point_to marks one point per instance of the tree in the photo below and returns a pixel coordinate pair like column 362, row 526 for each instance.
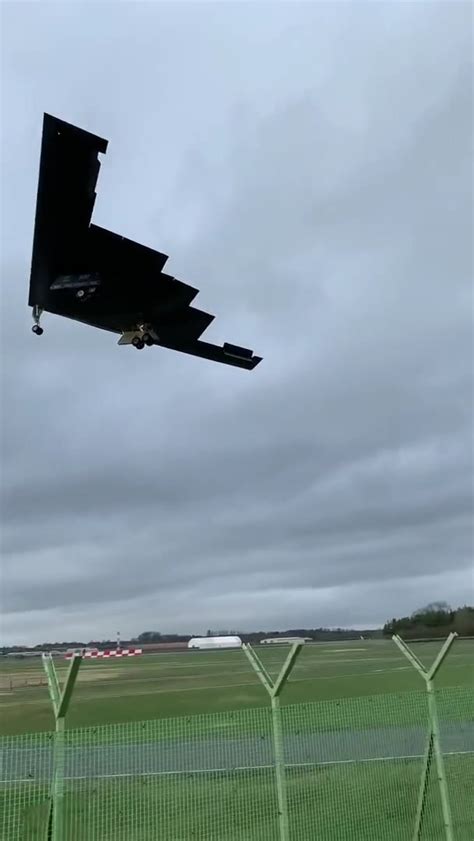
column 435, row 620
column 433, row 607
column 464, row 621
column 149, row 636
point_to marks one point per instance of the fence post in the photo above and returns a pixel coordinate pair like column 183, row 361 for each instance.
column 274, row 689
column 60, row 700
column 433, row 745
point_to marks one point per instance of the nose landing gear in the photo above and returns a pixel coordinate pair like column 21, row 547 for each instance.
column 37, row 329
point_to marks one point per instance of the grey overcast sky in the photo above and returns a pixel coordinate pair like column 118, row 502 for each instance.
column 308, row 168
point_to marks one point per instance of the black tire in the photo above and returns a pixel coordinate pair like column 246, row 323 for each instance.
column 147, row 339
column 37, row 330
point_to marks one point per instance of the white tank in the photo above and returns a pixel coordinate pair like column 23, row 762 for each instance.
column 215, row 642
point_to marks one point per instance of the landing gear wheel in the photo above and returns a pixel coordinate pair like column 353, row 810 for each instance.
column 138, row 343
column 147, row 339
column 37, row 329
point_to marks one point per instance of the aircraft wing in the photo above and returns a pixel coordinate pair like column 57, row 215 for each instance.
column 228, row 354
column 182, row 329
column 69, row 168
column 184, row 339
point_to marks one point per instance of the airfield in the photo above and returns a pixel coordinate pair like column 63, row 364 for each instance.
column 195, row 682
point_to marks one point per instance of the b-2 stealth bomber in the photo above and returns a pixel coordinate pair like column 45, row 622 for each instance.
column 84, row 272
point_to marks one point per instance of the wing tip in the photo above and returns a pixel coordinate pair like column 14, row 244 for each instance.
column 52, row 123
column 242, row 356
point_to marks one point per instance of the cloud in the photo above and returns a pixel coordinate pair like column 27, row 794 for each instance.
column 310, row 174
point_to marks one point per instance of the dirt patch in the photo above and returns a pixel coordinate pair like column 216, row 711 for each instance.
column 30, row 683
column 98, row 674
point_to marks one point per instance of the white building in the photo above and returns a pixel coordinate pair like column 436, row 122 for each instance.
column 215, row 642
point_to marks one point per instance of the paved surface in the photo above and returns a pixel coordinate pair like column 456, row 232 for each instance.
column 219, row 753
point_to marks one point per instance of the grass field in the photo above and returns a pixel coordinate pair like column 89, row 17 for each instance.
column 173, row 684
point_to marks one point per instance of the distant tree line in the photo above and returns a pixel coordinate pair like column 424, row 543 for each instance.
column 148, row 637
column 437, row 619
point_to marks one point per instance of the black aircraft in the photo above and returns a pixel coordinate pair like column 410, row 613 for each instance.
column 89, row 274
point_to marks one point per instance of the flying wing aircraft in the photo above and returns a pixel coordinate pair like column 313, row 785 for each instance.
column 84, row 272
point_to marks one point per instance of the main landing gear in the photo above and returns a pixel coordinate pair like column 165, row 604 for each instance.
column 139, row 342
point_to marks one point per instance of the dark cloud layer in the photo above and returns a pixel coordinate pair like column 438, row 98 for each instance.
column 308, row 167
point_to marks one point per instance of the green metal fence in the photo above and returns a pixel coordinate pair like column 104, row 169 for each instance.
column 397, row 767
column 352, row 770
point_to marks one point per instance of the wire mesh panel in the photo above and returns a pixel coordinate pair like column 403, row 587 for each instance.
column 25, row 786
column 456, row 718
column 354, row 766
column 208, row 778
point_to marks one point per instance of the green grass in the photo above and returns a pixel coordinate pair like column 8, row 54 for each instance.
column 157, row 686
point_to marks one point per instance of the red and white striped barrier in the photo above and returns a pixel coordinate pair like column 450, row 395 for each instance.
column 109, row 652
